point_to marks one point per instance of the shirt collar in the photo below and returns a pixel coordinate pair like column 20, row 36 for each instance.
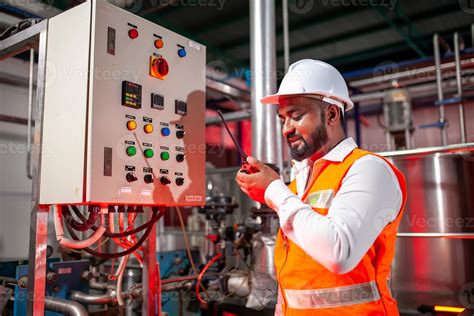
column 338, row 153
column 341, row 151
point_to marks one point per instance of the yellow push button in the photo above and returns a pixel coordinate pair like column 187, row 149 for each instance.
column 148, row 128
column 131, row 125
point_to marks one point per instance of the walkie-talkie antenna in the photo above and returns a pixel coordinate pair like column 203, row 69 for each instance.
column 242, row 153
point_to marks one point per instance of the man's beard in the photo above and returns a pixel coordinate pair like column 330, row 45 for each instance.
column 318, row 138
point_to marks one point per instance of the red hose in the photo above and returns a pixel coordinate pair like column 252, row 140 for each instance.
column 123, row 242
column 201, row 274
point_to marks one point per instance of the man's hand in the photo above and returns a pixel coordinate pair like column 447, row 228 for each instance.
column 255, row 184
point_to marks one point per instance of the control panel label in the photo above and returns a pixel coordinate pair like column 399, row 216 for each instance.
column 164, row 124
column 164, row 171
column 129, row 142
column 164, row 148
column 107, row 161
column 147, row 145
column 179, row 148
column 111, row 40
column 178, row 173
column 147, row 169
column 147, row 119
column 132, row 117
column 129, row 168
column 179, row 126
column 193, row 198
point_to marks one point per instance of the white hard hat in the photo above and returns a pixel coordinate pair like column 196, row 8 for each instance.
column 313, row 78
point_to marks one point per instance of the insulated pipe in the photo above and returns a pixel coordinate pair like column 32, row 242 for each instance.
column 110, row 297
column 437, row 58
column 63, row 306
column 457, row 60
column 265, row 132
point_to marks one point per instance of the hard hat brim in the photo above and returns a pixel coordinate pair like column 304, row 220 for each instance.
column 276, row 98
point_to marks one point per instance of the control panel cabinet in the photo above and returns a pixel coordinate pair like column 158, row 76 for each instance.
column 124, row 116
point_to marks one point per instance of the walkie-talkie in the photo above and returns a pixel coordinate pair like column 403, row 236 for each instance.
column 246, row 168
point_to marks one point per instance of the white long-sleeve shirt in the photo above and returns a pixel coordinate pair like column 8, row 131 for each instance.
column 368, row 199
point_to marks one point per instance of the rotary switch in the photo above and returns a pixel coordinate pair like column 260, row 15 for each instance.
column 180, row 157
column 164, row 180
column 148, row 178
column 179, row 181
column 131, row 177
column 159, row 67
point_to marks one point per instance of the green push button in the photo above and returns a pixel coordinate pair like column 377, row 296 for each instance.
column 131, row 150
column 165, row 155
column 148, row 153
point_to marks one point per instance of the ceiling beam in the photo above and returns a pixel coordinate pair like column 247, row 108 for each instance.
column 406, row 37
column 387, row 49
column 298, row 26
column 365, row 31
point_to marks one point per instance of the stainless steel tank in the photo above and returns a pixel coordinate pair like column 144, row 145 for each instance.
column 434, row 257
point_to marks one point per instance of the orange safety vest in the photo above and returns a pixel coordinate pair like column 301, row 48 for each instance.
column 308, row 288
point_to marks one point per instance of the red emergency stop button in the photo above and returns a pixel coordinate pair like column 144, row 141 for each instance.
column 133, row 33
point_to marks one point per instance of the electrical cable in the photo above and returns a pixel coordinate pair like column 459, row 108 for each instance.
column 121, row 271
column 85, row 225
column 76, row 243
column 119, row 235
column 186, row 243
column 125, row 244
column 198, row 284
column 156, row 216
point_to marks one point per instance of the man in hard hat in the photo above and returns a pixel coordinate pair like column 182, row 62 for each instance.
column 339, row 216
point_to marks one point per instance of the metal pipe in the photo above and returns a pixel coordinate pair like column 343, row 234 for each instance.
column 286, row 36
column 30, row 112
column 457, row 59
column 39, row 213
column 437, row 58
column 109, row 298
column 263, row 69
column 429, row 150
column 357, row 123
column 63, row 306
column 409, row 73
column 13, row 119
column 96, row 285
column 229, row 117
column 438, row 235
column 173, row 287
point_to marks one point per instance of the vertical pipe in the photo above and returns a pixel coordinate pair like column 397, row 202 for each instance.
column 439, row 87
column 357, row 123
column 263, row 71
column 149, row 276
column 286, row 36
column 39, row 214
column 286, row 52
column 457, row 60
column 30, row 111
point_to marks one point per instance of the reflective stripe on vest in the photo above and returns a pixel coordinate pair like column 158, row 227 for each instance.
column 333, row 297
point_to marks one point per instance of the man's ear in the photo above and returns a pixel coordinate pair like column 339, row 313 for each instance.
column 333, row 114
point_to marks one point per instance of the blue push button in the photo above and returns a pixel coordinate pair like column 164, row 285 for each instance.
column 182, row 52
column 165, row 131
